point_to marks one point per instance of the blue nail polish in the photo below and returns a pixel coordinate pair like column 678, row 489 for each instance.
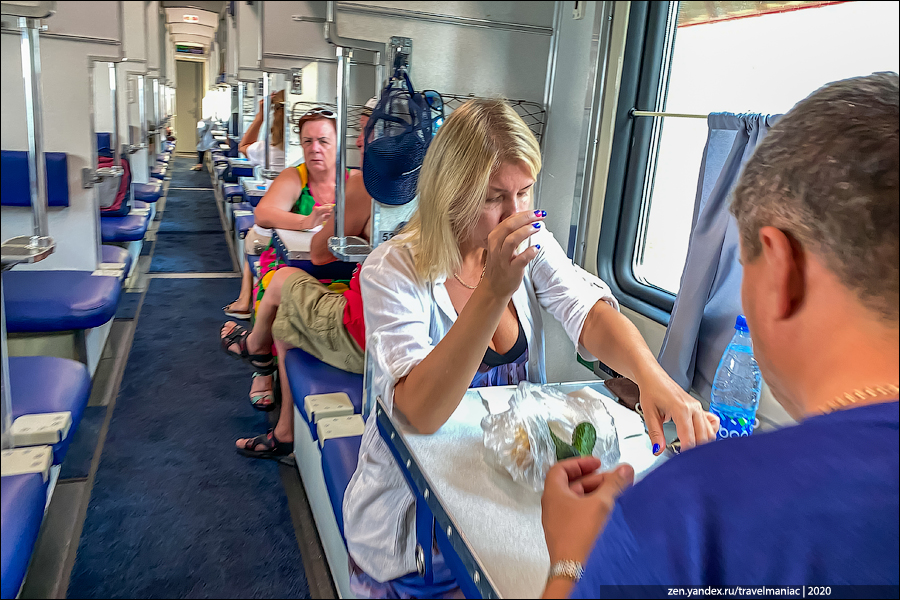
column 655, row 448
column 537, row 213
column 536, row 225
column 543, row 213
column 538, row 246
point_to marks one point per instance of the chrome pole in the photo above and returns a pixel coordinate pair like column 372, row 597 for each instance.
column 7, row 439
column 343, row 96
column 240, row 127
column 37, row 167
column 266, row 118
column 114, row 100
column 142, row 109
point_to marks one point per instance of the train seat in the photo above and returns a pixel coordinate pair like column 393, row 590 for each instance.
column 243, row 221
column 339, row 458
column 16, row 183
column 148, row 192
column 158, row 172
column 130, row 228
column 117, row 256
column 23, row 500
column 233, row 192
column 47, row 384
column 52, row 301
column 162, row 158
column 308, row 375
column 241, row 167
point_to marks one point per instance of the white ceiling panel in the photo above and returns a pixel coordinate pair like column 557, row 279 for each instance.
column 191, row 29
column 192, row 16
column 186, row 38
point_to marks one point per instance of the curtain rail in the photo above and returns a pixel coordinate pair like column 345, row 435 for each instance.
column 647, row 113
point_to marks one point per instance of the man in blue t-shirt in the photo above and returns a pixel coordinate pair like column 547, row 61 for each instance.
column 815, row 504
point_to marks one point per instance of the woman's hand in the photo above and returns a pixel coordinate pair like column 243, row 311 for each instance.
column 320, row 214
column 503, row 269
column 663, row 399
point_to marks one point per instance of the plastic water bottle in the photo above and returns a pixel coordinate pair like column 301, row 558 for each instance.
column 737, row 385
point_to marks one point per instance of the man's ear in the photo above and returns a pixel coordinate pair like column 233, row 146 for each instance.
column 786, row 271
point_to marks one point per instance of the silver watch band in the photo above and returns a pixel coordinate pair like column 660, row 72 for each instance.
column 570, row 569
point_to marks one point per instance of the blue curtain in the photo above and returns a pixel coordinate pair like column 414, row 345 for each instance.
column 709, row 299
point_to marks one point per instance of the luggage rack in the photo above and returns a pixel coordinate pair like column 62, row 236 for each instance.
column 532, row 113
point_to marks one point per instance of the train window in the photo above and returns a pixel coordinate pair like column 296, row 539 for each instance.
column 693, row 58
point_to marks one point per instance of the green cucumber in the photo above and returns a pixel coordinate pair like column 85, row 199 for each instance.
column 584, row 438
column 563, row 450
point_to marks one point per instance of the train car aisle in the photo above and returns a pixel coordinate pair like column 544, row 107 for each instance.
column 174, row 511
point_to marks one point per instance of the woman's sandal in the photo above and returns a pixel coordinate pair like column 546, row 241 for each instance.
column 263, row 363
column 273, row 448
column 243, row 315
column 263, row 400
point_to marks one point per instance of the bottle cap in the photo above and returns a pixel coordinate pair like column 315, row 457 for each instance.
column 741, row 324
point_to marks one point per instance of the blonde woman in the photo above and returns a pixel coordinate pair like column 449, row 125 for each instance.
column 453, row 303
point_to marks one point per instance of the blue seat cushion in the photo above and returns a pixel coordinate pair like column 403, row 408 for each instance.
column 148, row 192
column 243, row 206
column 243, row 223
column 163, row 158
column 130, row 228
column 45, row 301
column 339, row 458
column 308, row 375
column 242, row 170
column 253, row 261
column 23, row 499
column 115, row 254
column 47, row 384
column 103, row 141
column 158, row 172
column 233, row 190
column 16, row 183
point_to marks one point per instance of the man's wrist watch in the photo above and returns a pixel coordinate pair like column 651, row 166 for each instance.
column 568, row 569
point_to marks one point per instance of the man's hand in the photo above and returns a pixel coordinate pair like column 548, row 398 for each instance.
column 576, row 503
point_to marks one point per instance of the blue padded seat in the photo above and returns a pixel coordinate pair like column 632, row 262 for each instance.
column 220, row 170
column 130, row 228
column 339, row 458
column 103, row 141
column 234, row 191
column 242, row 170
column 163, row 158
column 45, row 301
column 243, row 223
column 23, row 499
column 242, row 206
column 308, row 375
column 47, row 384
column 16, row 183
column 148, row 192
column 158, row 172
column 116, row 255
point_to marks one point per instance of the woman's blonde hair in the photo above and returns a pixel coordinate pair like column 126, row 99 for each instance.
column 276, row 131
column 469, row 147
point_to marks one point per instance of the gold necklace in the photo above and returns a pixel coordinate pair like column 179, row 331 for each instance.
column 471, row 287
column 855, row 396
column 483, row 268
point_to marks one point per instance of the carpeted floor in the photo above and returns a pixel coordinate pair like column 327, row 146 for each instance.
column 190, row 237
column 175, row 512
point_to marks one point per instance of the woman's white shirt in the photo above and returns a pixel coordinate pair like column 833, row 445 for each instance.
column 276, row 163
column 405, row 319
column 255, row 155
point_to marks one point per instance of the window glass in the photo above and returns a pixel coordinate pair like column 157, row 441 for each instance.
column 759, row 57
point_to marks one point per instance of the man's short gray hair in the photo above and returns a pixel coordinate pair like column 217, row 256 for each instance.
column 827, row 174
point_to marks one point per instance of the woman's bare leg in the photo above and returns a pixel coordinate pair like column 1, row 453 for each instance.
column 284, row 429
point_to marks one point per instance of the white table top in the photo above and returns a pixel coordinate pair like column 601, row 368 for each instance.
column 297, row 244
column 499, row 519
